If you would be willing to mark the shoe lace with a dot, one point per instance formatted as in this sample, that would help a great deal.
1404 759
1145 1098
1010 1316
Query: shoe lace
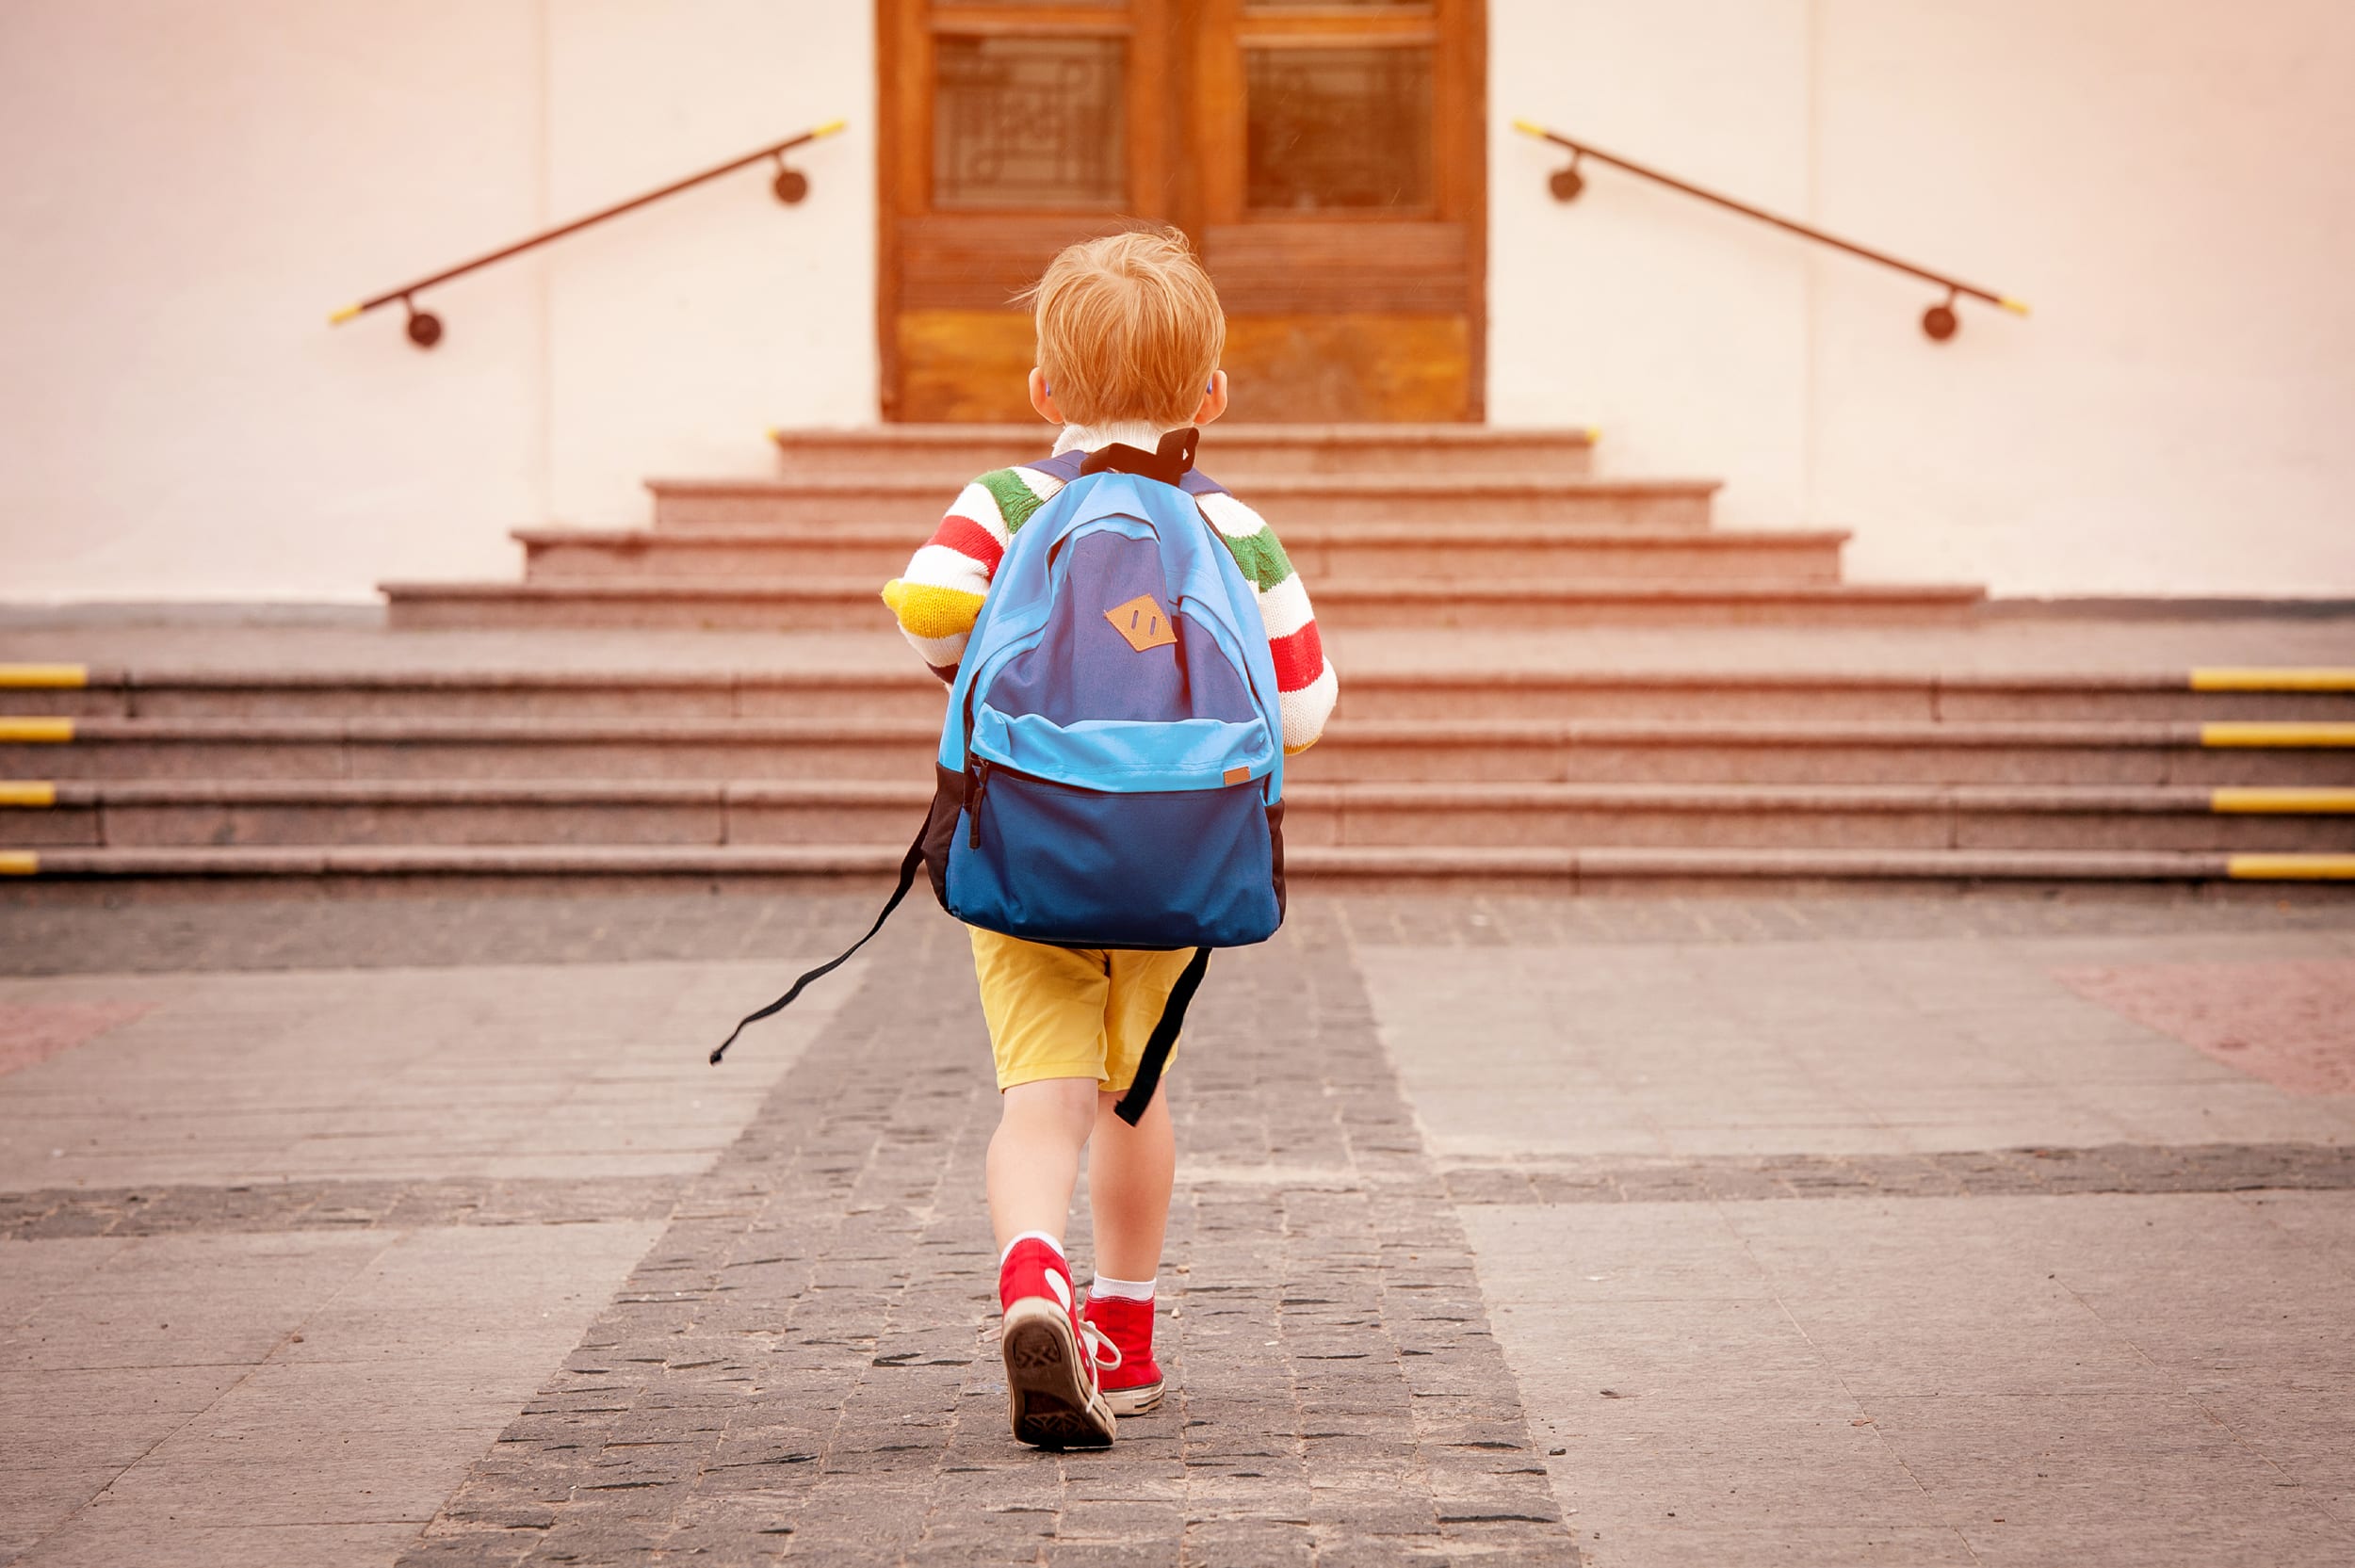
1097 1343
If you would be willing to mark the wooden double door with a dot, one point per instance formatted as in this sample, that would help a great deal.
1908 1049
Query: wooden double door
1328 160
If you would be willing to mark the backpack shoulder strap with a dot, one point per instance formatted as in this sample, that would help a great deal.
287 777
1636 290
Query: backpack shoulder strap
909 865
1063 466
1131 1106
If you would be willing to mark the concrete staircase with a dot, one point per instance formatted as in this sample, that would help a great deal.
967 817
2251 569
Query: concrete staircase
1404 525
1503 765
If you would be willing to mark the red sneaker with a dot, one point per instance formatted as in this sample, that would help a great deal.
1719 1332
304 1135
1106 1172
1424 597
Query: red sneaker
1131 1380
1052 1391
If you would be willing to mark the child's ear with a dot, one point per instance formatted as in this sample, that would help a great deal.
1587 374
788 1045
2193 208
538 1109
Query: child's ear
1043 399
1213 401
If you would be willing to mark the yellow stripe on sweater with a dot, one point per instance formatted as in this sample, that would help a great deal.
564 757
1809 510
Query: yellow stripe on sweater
2255 732
2227 678
50 676
927 611
2292 868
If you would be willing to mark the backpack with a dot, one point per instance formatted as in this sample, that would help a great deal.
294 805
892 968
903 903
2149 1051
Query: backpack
1111 768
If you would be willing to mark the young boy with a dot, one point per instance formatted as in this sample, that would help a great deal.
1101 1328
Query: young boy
1130 335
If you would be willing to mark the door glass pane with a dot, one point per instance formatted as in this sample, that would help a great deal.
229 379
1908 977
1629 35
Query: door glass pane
1029 122
1347 128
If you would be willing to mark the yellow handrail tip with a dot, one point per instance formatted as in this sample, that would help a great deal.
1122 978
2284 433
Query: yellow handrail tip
19 863
830 127
32 794
1594 434
1529 127
36 730
337 318
2017 307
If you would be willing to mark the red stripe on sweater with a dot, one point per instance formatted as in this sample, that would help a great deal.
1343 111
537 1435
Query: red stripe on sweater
1299 658
969 538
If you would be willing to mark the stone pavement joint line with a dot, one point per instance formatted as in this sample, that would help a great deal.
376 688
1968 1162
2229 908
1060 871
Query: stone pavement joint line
342 1204
805 1364
2118 1168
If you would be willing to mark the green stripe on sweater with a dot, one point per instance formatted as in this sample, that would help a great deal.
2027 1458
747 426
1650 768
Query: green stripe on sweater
1260 556
1016 500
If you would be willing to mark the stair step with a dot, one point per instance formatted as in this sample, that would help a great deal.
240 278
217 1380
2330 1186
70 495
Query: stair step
952 453
1325 552
1574 750
1368 870
149 814
816 605
897 688
1287 500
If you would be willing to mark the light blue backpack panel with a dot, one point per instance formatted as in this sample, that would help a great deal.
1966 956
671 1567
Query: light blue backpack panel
1115 739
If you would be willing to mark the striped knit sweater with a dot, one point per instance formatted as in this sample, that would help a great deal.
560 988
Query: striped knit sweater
940 594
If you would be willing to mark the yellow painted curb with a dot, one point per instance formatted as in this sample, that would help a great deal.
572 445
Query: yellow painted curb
19 863
37 730
27 792
2228 678
47 675
2307 800
2292 868
2256 733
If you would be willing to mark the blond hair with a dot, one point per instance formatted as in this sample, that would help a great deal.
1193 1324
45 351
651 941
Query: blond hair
1129 329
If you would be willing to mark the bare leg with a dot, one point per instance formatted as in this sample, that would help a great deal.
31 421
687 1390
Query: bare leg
1035 1154
1130 1172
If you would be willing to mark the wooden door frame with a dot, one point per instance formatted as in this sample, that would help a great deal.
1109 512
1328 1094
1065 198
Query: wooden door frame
904 48
903 34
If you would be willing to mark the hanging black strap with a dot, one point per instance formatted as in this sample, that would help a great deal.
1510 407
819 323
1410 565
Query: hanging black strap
913 863
1130 1107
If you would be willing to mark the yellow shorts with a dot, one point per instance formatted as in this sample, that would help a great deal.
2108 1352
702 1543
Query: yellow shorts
1070 1012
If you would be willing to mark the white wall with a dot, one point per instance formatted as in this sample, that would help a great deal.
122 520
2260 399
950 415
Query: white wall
190 189
2169 183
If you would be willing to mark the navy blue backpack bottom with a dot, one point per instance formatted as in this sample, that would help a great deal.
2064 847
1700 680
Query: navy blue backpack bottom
1031 858
1220 823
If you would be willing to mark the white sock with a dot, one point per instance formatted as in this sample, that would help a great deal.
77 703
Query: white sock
1120 1290
1055 1242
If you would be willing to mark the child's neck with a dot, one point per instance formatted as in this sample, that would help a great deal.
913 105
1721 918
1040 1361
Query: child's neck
1142 434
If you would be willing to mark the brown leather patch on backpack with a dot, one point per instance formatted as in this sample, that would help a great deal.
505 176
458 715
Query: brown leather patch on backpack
1143 623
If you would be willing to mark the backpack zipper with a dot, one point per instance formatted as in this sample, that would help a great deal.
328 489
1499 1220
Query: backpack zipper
973 806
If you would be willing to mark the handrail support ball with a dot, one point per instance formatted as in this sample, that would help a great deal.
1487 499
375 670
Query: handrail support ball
425 328
790 185
1939 322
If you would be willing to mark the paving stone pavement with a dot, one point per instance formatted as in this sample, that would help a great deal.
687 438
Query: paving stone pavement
1502 1237
123 931
806 1361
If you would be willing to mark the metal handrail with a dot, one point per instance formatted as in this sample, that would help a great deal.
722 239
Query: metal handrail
1939 322
425 328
